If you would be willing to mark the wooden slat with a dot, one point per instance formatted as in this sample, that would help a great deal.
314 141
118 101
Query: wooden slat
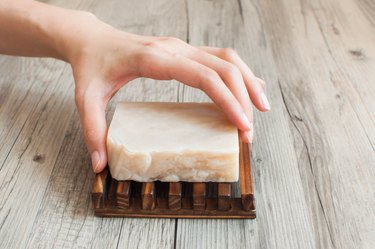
148 201
174 195
148 195
199 195
211 195
162 191
187 195
99 188
123 194
246 178
224 194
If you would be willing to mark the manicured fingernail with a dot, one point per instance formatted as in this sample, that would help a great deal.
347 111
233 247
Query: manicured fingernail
250 133
246 121
265 102
95 160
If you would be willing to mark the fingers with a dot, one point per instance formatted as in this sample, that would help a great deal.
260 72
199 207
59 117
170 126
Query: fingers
232 78
91 108
159 65
236 75
254 85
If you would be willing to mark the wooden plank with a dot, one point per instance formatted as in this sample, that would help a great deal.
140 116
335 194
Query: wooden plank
64 213
224 195
327 99
246 182
67 208
174 195
211 196
240 25
199 195
29 153
187 195
17 104
99 188
162 192
148 195
181 213
123 194
316 59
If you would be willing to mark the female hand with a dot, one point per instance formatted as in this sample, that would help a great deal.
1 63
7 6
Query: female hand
104 59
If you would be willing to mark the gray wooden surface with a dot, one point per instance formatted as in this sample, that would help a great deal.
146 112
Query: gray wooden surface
313 154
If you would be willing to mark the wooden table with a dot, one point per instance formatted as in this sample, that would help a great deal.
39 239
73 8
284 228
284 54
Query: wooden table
313 154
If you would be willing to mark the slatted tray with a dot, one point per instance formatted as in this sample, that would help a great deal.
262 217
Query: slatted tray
112 198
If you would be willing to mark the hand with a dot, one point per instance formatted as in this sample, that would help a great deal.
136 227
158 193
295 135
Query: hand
104 59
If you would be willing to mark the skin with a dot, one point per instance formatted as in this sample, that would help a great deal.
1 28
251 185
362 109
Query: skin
103 59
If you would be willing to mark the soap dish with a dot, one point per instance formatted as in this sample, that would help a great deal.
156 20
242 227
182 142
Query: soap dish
112 198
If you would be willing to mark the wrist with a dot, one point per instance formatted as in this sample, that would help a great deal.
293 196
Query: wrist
76 35
62 33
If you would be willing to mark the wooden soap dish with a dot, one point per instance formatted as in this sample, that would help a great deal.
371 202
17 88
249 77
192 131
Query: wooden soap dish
112 198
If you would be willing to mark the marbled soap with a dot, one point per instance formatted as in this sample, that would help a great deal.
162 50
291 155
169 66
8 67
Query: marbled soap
172 142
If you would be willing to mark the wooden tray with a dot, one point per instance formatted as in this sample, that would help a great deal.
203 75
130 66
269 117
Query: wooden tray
112 198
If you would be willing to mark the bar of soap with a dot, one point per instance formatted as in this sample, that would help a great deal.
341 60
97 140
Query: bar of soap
172 142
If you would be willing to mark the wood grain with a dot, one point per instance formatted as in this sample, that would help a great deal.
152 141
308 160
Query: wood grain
224 195
59 213
313 154
123 192
246 182
148 195
99 188
174 195
273 149
199 195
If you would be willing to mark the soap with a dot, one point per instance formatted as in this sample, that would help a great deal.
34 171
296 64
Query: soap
172 142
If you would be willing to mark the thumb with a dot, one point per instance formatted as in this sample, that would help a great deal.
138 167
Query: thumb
92 115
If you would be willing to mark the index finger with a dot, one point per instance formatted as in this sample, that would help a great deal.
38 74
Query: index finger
168 66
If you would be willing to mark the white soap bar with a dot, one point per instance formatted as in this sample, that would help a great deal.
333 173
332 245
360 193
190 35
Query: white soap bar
172 142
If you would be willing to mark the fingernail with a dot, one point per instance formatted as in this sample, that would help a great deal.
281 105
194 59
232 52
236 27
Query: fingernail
265 102
95 160
250 135
246 121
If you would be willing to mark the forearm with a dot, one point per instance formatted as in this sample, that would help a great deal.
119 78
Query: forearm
30 28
